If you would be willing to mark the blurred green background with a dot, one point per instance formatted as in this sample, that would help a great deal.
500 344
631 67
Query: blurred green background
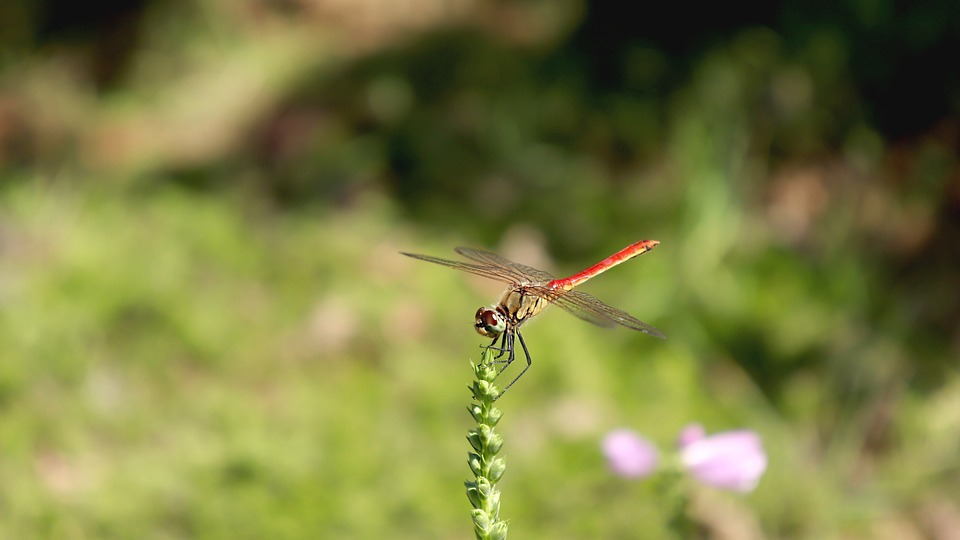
207 331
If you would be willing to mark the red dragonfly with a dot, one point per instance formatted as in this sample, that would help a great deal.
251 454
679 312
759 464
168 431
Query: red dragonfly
530 290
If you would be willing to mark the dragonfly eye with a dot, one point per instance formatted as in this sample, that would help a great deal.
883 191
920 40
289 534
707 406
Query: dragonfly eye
490 322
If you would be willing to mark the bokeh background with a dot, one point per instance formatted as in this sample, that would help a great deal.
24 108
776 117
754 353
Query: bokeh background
206 330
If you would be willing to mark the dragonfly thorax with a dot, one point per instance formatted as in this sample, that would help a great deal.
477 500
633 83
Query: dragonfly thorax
520 304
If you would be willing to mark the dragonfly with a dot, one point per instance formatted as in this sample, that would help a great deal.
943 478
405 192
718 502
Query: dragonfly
529 291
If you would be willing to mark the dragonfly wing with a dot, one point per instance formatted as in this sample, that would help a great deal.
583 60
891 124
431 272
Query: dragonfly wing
485 271
591 309
519 272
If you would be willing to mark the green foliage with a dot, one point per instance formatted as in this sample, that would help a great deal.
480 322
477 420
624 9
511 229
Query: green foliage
207 330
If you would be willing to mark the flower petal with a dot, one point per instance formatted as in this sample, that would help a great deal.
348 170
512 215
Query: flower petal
629 455
691 433
732 460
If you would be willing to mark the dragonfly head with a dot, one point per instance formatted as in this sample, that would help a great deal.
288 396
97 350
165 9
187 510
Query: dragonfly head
490 322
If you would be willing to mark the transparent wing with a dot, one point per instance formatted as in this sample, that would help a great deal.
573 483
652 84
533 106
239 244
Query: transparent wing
520 272
499 274
592 310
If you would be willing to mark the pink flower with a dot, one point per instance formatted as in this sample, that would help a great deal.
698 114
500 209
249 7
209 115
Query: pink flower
732 460
629 455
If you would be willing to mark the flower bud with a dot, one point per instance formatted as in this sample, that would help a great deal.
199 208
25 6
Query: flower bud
497 468
475 441
473 460
498 531
481 521
473 494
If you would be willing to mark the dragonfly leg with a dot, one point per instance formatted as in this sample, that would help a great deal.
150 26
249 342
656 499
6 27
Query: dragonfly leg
504 347
526 353
509 348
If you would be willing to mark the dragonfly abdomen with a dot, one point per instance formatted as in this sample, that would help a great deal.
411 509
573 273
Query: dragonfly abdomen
623 255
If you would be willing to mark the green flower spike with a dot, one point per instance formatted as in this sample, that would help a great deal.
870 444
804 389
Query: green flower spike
483 460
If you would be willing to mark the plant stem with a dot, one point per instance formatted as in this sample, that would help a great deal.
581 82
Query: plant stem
487 468
673 493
